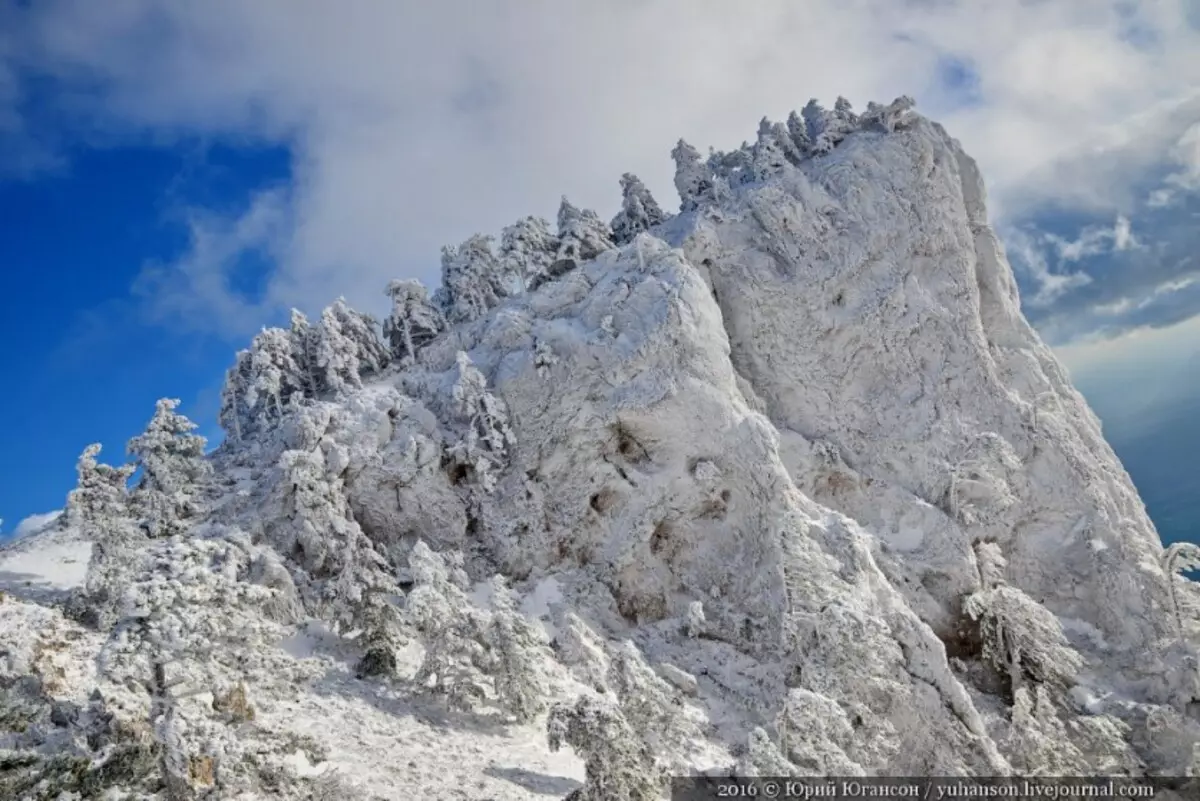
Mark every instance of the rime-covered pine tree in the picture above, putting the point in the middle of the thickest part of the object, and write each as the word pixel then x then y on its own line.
pixel 769 156
pixel 799 132
pixel 381 637
pixel 233 409
pixel 527 250
pixel 487 436
pixel 888 117
pixel 639 211
pixel 99 507
pixel 1021 638
pixel 815 122
pixel 693 177
pixel 582 236
pixel 473 280
pixel 734 167
pixel 303 348
pixel 519 650
pixel 266 379
pixel 453 630
pixel 414 321
pixel 346 348
pixel 171 458
pixel 651 706
pixel 618 764
pixel 762 757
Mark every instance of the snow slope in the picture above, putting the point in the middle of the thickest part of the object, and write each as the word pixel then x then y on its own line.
pixel 786 480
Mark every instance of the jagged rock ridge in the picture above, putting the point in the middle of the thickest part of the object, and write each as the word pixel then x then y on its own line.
pixel 782 483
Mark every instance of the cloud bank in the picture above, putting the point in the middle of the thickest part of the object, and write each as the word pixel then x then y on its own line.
pixel 412 125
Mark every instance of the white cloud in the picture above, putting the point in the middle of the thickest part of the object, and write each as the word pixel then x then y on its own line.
pixel 1186 178
pixel 1095 240
pixel 35 523
pixel 415 124
pixel 1051 286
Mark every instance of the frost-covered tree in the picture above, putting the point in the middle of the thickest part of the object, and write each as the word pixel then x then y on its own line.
pixel 827 128
pixel 233 411
pixel 579 648
pixel 843 112
pixel 267 378
pixel 769 156
pixel 381 636
pixel 473 280
pixel 171 458
pixel 346 348
pixel 519 651
pixel 693 177
pixel 1177 558
pixel 1021 638
pixel 100 495
pixel 783 139
pixel 651 706
pixel 798 130
pixel 303 339
pixel 582 236
pixel 453 630
pixel 618 765
pixel 695 622
pixel 639 211
pixel 414 321
pixel 888 117
pixel 528 250
pixel 815 117
pixel 318 530
pixel 735 167
pixel 836 126
pixel 1040 741
pixel 762 757
pixel 276 374
pixel 484 446
pixel 99 507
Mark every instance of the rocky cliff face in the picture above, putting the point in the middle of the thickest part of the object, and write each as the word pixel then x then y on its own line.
pixel 795 447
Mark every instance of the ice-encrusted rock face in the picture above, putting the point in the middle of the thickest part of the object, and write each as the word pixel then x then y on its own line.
pixel 869 305
pixel 795 447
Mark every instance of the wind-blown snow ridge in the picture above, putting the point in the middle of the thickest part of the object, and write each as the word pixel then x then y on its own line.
pixel 781 483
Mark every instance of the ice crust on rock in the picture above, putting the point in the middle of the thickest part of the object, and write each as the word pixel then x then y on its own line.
pixel 785 479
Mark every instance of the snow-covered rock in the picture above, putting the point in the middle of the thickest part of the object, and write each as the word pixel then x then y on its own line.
pixel 794 448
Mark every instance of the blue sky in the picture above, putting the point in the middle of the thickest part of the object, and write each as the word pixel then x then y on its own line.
pixel 173 177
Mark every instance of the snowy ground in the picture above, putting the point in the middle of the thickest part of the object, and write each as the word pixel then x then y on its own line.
pixel 43 567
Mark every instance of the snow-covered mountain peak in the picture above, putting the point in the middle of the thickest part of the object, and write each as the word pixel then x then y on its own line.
pixel 782 483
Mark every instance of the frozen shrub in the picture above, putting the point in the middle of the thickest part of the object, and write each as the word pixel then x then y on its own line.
pixel 452 629
pixel 518 652
pixel 618 765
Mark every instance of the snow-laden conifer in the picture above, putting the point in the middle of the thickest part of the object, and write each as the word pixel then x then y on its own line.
pixel 770 156
pixel 483 448
pixel 528 249
pixel 173 471
pixel 453 630
pixel 346 348
pixel 652 706
pixel 1021 638
pixel 1178 557
pixel 798 130
pixel 414 322
pixel 639 211
pixel 889 117
pixel 99 508
pixel 618 764
pixel 693 177
pixel 473 280
pixel 519 651
pixel 582 236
